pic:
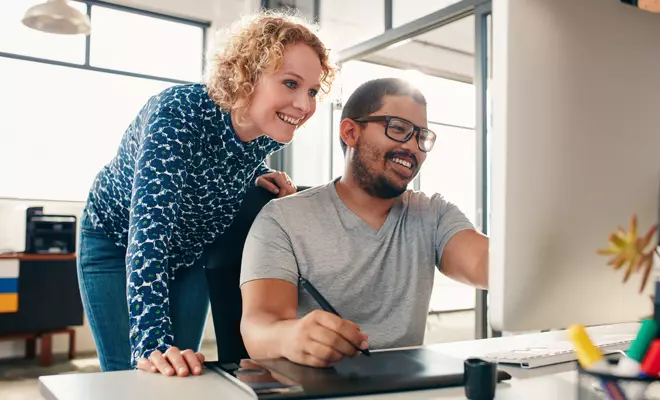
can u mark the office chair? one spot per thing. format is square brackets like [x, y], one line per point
[223, 270]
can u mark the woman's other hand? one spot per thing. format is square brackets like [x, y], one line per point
[278, 183]
[173, 362]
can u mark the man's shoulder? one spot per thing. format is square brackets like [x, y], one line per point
[302, 199]
[420, 202]
[298, 206]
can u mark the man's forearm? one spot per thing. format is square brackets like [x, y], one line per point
[481, 274]
[264, 335]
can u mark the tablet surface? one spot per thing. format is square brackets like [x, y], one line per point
[384, 371]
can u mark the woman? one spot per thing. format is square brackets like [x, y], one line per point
[176, 183]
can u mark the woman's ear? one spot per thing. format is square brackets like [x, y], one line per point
[348, 129]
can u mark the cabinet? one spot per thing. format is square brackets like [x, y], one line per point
[48, 300]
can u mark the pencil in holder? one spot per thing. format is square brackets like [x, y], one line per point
[598, 385]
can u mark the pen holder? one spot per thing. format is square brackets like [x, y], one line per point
[593, 385]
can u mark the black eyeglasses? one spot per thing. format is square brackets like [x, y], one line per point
[401, 130]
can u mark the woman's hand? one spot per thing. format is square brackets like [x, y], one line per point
[278, 183]
[173, 362]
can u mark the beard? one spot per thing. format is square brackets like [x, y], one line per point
[375, 184]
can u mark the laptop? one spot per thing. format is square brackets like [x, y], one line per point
[382, 372]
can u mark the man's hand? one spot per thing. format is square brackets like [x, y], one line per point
[320, 339]
[173, 362]
[278, 183]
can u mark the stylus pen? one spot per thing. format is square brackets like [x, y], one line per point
[307, 285]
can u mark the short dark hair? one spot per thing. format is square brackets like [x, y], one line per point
[368, 98]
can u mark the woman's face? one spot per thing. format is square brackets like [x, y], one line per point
[284, 99]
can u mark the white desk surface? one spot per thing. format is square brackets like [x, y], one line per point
[552, 382]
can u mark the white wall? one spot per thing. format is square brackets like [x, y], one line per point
[404, 11]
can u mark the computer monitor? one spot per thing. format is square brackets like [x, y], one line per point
[575, 151]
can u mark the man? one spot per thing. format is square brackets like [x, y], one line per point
[364, 241]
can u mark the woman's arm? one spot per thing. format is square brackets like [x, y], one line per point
[159, 174]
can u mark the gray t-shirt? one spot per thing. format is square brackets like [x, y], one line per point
[379, 279]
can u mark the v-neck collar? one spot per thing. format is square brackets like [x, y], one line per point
[353, 221]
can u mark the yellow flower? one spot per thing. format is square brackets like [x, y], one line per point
[629, 249]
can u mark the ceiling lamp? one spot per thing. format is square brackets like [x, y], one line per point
[57, 16]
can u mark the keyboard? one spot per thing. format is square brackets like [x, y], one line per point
[558, 352]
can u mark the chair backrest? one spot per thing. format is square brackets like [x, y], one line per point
[223, 270]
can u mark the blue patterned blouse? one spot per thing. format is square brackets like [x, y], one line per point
[180, 174]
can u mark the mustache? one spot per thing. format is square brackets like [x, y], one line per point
[402, 154]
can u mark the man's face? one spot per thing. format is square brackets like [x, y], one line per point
[380, 165]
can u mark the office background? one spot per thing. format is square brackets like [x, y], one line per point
[69, 99]
[67, 102]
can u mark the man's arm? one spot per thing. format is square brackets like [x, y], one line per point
[268, 285]
[269, 323]
[269, 308]
[465, 258]
[461, 251]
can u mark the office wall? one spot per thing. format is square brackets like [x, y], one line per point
[404, 11]
[346, 23]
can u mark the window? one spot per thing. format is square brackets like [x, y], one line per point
[67, 116]
[146, 45]
[64, 125]
[450, 168]
[338, 161]
[309, 155]
[17, 38]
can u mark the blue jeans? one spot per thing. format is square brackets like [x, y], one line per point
[102, 280]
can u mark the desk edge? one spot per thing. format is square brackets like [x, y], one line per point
[45, 391]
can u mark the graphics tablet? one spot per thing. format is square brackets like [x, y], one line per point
[385, 371]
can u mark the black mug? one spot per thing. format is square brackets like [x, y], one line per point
[480, 378]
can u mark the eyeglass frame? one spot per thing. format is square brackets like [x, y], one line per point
[416, 131]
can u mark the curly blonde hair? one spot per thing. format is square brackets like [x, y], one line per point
[253, 46]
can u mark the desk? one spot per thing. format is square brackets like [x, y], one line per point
[552, 382]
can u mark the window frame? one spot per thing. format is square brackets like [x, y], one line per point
[203, 25]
